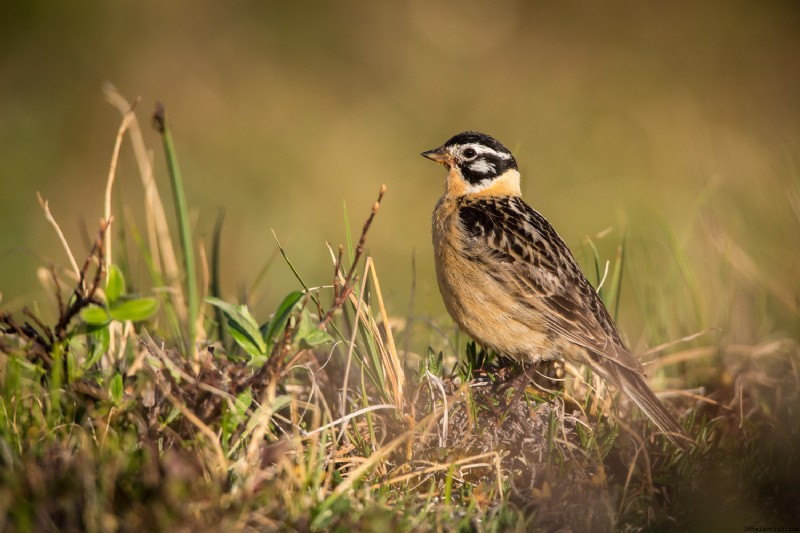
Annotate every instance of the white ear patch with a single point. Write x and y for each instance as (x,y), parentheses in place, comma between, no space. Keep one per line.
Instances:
(481,166)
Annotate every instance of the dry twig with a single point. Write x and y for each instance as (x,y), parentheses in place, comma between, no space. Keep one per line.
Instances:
(343,288)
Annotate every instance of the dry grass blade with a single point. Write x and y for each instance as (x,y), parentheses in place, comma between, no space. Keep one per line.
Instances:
(49,216)
(466,462)
(347,418)
(392,366)
(127,118)
(422,428)
(221,464)
(158,233)
(691,354)
(670,344)
(749,269)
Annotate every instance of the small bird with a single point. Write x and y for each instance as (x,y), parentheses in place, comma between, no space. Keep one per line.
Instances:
(511,283)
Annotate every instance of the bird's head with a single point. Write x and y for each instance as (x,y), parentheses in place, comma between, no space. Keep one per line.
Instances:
(477,164)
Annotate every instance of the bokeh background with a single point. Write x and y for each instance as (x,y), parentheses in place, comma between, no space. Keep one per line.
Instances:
(673,123)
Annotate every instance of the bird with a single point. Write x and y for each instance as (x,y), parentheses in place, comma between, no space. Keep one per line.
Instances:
(511,283)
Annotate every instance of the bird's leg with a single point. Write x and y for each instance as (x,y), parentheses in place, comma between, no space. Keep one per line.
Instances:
(546,376)
(520,383)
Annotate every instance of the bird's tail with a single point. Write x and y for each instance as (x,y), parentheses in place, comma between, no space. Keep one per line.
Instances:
(633,384)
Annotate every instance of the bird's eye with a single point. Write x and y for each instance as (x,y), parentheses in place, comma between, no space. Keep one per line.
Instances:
(469,153)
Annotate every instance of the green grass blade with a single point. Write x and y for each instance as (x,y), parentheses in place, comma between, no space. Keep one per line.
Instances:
(615,290)
(294,270)
(184,227)
(597,269)
(155,276)
(216,290)
(348,234)
(686,270)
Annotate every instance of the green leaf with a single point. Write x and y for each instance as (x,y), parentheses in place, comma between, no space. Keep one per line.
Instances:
(254,350)
(94,315)
(115,388)
(233,417)
(99,341)
(75,346)
(242,327)
(308,333)
(433,362)
(115,286)
(171,416)
(278,321)
(136,310)
(243,402)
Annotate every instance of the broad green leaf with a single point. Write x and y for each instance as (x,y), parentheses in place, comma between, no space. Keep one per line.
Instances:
(136,310)
(278,321)
(242,327)
(257,356)
(115,388)
(115,286)
(94,315)
(308,333)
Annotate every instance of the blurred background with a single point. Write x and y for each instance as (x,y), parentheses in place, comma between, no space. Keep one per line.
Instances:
(675,124)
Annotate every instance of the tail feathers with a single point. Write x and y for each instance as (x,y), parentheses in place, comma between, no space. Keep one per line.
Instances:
(636,388)
(633,384)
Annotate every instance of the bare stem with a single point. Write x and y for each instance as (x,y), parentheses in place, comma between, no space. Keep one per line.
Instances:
(340,295)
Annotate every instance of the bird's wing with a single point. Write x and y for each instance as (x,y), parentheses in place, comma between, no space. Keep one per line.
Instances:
(520,249)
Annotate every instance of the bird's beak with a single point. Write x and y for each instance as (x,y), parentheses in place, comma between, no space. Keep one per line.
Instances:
(439,155)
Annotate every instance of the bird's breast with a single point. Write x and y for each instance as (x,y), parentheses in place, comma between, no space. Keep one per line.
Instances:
(479,302)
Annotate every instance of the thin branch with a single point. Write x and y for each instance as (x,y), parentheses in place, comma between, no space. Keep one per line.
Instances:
(81,297)
(27,312)
(361,241)
(27,333)
(57,284)
(346,288)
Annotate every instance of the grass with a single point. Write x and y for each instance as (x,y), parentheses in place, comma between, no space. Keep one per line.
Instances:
(180,410)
